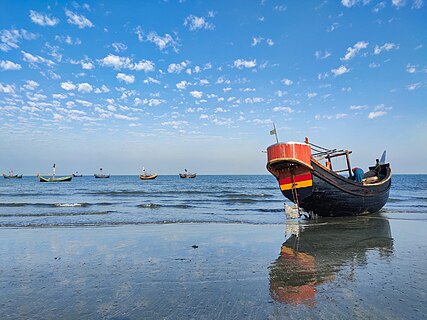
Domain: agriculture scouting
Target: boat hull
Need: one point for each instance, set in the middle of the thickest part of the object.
(187, 176)
(101, 176)
(148, 177)
(331, 196)
(51, 179)
(319, 190)
(13, 177)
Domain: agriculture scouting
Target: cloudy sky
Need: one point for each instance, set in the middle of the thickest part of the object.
(197, 84)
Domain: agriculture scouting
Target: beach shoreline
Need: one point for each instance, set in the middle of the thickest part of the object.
(200, 271)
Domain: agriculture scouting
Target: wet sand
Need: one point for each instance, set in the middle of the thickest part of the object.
(216, 271)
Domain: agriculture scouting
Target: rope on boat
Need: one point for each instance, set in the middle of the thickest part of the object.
(295, 192)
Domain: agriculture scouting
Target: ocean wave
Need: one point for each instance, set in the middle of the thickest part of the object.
(53, 205)
(56, 214)
(247, 195)
(156, 206)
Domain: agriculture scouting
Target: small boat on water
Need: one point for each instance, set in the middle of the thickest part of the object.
(12, 176)
(77, 174)
(187, 175)
(147, 176)
(53, 178)
(318, 188)
(101, 175)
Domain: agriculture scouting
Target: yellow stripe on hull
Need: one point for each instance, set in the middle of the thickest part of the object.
(301, 184)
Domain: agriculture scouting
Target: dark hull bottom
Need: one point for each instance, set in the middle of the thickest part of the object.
(327, 200)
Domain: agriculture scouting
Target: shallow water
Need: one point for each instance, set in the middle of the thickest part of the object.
(216, 247)
(169, 199)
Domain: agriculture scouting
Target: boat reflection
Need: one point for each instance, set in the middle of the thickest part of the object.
(315, 252)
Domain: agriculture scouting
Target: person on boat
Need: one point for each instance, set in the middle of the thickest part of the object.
(358, 174)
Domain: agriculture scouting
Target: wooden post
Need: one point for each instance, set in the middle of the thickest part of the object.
(330, 162)
(348, 163)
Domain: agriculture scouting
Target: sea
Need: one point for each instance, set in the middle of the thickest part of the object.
(246, 199)
(213, 247)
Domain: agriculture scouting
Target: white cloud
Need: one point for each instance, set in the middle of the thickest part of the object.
(287, 82)
(151, 80)
(9, 65)
(341, 115)
(59, 96)
(196, 94)
(417, 4)
(68, 40)
(116, 62)
(270, 42)
(68, 86)
(103, 89)
(177, 67)
(256, 41)
(311, 95)
(43, 20)
(196, 23)
(119, 47)
(144, 65)
(84, 87)
(182, 85)
(123, 117)
(411, 68)
(239, 63)
(33, 60)
(126, 78)
(376, 114)
(339, 71)
(351, 3)
(352, 51)
(161, 42)
(320, 55)
(385, 47)
(358, 107)
(286, 109)
(80, 21)
(203, 117)
(31, 85)
(10, 38)
(87, 65)
(414, 86)
(398, 3)
(7, 88)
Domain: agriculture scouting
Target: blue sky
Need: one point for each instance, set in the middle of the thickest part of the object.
(170, 85)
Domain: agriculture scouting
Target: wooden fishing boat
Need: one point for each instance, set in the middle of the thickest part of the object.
(12, 176)
(319, 189)
(100, 175)
(187, 175)
(53, 178)
(148, 176)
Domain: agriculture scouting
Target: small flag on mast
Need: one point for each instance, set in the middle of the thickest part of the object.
(274, 132)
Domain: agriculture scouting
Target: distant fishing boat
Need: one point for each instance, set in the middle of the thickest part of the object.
(77, 174)
(187, 175)
(101, 175)
(320, 189)
(11, 175)
(147, 176)
(54, 178)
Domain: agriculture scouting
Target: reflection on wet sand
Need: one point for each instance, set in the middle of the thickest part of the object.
(316, 251)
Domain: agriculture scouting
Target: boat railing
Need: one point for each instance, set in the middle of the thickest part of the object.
(321, 153)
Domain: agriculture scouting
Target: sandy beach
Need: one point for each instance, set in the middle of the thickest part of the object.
(214, 271)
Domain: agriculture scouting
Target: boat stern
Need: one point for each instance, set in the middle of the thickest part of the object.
(290, 163)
